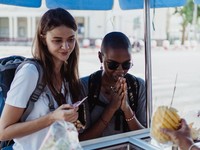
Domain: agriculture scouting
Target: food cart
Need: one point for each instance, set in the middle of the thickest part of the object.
(136, 139)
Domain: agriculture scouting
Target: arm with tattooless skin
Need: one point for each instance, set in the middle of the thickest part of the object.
(56, 49)
(181, 137)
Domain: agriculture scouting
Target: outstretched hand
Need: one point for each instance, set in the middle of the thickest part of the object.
(180, 137)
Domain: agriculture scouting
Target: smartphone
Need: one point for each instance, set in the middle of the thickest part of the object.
(80, 102)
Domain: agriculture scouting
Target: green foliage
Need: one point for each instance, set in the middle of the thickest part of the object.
(186, 12)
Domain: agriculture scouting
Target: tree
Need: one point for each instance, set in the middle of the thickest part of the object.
(186, 12)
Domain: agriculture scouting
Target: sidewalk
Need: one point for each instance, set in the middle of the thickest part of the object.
(15, 50)
(26, 50)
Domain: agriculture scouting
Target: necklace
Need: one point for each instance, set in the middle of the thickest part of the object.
(113, 89)
(108, 89)
(58, 88)
(58, 84)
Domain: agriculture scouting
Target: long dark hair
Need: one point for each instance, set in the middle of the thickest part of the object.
(51, 19)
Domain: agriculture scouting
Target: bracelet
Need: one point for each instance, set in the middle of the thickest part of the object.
(103, 121)
(129, 119)
(190, 148)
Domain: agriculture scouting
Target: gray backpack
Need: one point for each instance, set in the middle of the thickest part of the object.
(8, 67)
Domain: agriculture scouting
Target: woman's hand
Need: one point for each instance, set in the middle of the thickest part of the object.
(118, 93)
(122, 97)
(124, 105)
(65, 112)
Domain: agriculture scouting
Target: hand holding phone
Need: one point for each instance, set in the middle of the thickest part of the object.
(80, 102)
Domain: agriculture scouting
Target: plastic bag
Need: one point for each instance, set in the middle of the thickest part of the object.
(62, 135)
(193, 120)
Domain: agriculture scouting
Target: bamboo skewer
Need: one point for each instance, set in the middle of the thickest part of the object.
(174, 90)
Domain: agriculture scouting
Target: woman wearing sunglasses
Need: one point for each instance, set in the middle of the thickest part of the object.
(115, 106)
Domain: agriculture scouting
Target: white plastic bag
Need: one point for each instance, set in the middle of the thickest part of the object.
(62, 135)
(193, 119)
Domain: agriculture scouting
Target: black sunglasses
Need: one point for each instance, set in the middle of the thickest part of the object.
(113, 65)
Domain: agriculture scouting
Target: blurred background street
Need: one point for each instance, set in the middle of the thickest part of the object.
(165, 65)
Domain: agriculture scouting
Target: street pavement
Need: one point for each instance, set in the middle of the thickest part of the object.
(166, 64)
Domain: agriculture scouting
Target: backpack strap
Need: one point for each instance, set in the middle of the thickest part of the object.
(20, 61)
(94, 87)
(132, 87)
(133, 90)
(38, 90)
(51, 101)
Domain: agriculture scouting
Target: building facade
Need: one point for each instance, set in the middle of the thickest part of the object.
(18, 24)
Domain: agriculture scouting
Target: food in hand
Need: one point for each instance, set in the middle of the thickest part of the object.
(164, 117)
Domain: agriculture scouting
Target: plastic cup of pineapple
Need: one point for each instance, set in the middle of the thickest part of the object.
(164, 117)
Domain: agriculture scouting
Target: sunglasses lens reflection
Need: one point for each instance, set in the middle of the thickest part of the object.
(126, 65)
(114, 65)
